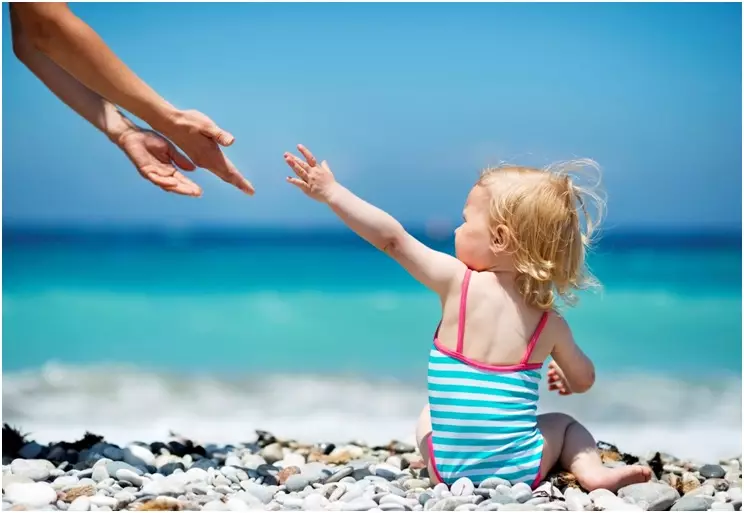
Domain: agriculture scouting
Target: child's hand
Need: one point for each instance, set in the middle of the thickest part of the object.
(313, 179)
(557, 380)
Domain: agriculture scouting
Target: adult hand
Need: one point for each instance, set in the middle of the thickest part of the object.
(156, 160)
(200, 138)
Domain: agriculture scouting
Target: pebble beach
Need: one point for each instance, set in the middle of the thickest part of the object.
(272, 474)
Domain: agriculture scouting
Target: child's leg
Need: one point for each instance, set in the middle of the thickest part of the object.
(423, 434)
(568, 442)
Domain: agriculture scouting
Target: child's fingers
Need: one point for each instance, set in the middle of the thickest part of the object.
(308, 156)
(299, 183)
(299, 167)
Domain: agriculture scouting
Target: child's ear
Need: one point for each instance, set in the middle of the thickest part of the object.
(500, 239)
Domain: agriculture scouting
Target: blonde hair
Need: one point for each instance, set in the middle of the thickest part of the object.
(541, 210)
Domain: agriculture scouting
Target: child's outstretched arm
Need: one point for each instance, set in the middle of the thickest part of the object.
(571, 370)
(437, 271)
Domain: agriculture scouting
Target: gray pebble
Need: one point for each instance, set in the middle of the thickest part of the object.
(493, 482)
(296, 483)
(262, 493)
(489, 506)
(361, 504)
(693, 503)
(721, 506)
(515, 506)
(100, 500)
(450, 503)
(537, 500)
(466, 507)
(521, 492)
(712, 471)
(340, 474)
(112, 467)
(649, 496)
(424, 498)
(719, 485)
(314, 502)
(215, 506)
(412, 484)
(552, 506)
(391, 506)
(124, 474)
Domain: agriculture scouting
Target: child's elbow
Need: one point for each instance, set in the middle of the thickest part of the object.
(584, 383)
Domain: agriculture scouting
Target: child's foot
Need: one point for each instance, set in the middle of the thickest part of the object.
(613, 479)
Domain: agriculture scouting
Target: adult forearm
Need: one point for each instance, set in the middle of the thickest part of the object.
(64, 38)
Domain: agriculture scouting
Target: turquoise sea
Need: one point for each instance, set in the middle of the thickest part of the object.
(315, 335)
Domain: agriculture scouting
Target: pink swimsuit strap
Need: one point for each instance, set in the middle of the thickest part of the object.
(461, 332)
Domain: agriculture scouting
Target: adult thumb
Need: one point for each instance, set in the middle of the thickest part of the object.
(222, 137)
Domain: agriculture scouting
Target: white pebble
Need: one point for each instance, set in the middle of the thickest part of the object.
(463, 487)
(136, 452)
(80, 504)
(33, 495)
(314, 502)
(196, 475)
(438, 489)
(721, 506)
(63, 481)
(294, 460)
(521, 492)
(124, 474)
(234, 504)
(99, 473)
(100, 500)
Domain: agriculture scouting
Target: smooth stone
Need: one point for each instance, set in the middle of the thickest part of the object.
(693, 503)
(552, 492)
(721, 497)
(215, 506)
(296, 483)
(263, 494)
(552, 506)
(501, 499)
(450, 503)
(204, 464)
(272, 453)
(649, 496)
(466, 507)
(439, 489)
(9, 479)
(735, 497)
(113, 453)
(234, 504)
(124, 497)
(112, 467)
(233, 461)
(493, 482)
(169, 468)
(353, 492)
(388, 472)
(294, 460)
(315, 472)
(613, 503)
(361, 504)
(706, 489)
(412, 484)
(515, 506)
(712, 471)
(137, 455)
(721, 506)
(196, 474)
(32, 495)
(424, 498)
(314, 502)
(489, 505)
(521, 492)
(576, 500)
(63, 481)
(292, 502)
(80, 504)
(252, 461)
(462, 487)
(30, 451)
(537, 500)
(100, 500)
(389, 506)
(394, 499)
(719, 485)
(36, 470)
(100, 473)
(124, 474)
(340, 474)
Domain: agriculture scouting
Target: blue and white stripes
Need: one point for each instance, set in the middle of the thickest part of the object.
(484, 422)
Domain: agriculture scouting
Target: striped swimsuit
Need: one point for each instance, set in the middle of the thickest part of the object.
(483, 417)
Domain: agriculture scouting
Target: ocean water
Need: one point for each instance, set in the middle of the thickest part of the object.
(317, 336)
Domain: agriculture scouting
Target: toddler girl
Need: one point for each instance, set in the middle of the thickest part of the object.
(519, 248)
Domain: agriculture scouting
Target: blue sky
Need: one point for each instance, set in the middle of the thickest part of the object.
(407, 102)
